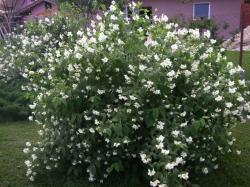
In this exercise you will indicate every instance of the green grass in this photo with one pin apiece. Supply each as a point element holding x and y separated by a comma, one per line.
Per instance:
<point>234,171</point>
<point>12,170</point>
<point>234,57</point>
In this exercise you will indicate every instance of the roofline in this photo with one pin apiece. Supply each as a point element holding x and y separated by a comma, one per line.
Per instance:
<point>34,4</point>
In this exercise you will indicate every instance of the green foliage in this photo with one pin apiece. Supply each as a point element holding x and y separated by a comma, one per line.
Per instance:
<point>202,25</point>
<point>92,6</point>
<point>13,101</point>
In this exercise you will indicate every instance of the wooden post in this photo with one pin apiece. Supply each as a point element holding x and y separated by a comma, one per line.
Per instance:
<point>241,45</point>
<point>242,34</point>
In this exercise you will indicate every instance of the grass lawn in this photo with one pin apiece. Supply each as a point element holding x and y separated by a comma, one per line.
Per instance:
<point>12,170</point>
<point>234,57</point>
<point>234,171</point>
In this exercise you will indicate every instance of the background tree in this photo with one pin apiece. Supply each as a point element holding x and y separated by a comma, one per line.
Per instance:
<point>91,6</point>
<point>9,13</point>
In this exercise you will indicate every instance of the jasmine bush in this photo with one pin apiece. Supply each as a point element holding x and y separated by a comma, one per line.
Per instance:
<point>128,90</point>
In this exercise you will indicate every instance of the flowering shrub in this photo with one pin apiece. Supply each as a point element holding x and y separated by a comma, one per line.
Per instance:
<point>129,90</point>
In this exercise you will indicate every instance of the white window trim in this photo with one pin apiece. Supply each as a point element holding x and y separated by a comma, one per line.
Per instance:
<point>209,9</point>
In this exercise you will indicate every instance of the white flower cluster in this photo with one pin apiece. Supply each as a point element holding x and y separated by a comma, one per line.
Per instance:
<point>128,89</point>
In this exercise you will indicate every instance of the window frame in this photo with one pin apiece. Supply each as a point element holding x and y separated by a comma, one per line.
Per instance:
<point>209,9</point>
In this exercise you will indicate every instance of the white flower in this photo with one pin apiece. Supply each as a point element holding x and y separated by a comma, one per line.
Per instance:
<point>102,37</point>
<point>28,144</point>
<point>81,131</point>
<point>183,176</point>
<point>171,73</point>
<point>79,33</point>
<point>218,98</point>
<point>189,140</point>
<point>47,19</point>
<point>207,34</point>
<point>187,73</point>
<point>133,98</point>
<point>78,56</point>
<point>142,67</point>
<point>164,18</point>
<point>174,47</point>
<point>151,172</point>
<point>144,158</point>
<point>165,152</point>
<point>112,8</point>
<point>163,185</point>
<point>240,99</point>
<point>31,178</point>
<point>27,163</point>
<point>183,124</point>
<point>160,146</point>
<point>160,125</point>
<point>157,58</point>
<point>66,53</point>
<point>30,118</point>
<point>213,41</point>
<point>33,156</point>
<point>231,83</point>
<point>160,138</point>
<point>140,29</point>
<point>229,105</point>
<point>113,17</point>
<point>26,150</point>
<point>89,70</point>
<point>92,130</point>
<point>100,92</point>
<point>105,60</point>
<point>169,166</point>
<point>242,82</point>
<point>154,183</point>
<point>205,170</point>
<point>183,114</point>
<point>232,90</point>
<point>32,107</point>
<point>166,63</point>
<point>175,133</point>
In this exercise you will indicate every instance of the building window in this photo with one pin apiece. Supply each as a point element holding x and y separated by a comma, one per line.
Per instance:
<point>201,11</point>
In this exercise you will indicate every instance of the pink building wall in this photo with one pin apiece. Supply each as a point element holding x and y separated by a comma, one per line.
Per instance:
<point>221,11</point>
<point>38,10</point>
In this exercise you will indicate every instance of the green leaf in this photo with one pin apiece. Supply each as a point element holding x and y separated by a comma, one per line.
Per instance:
<point>117,127</point>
